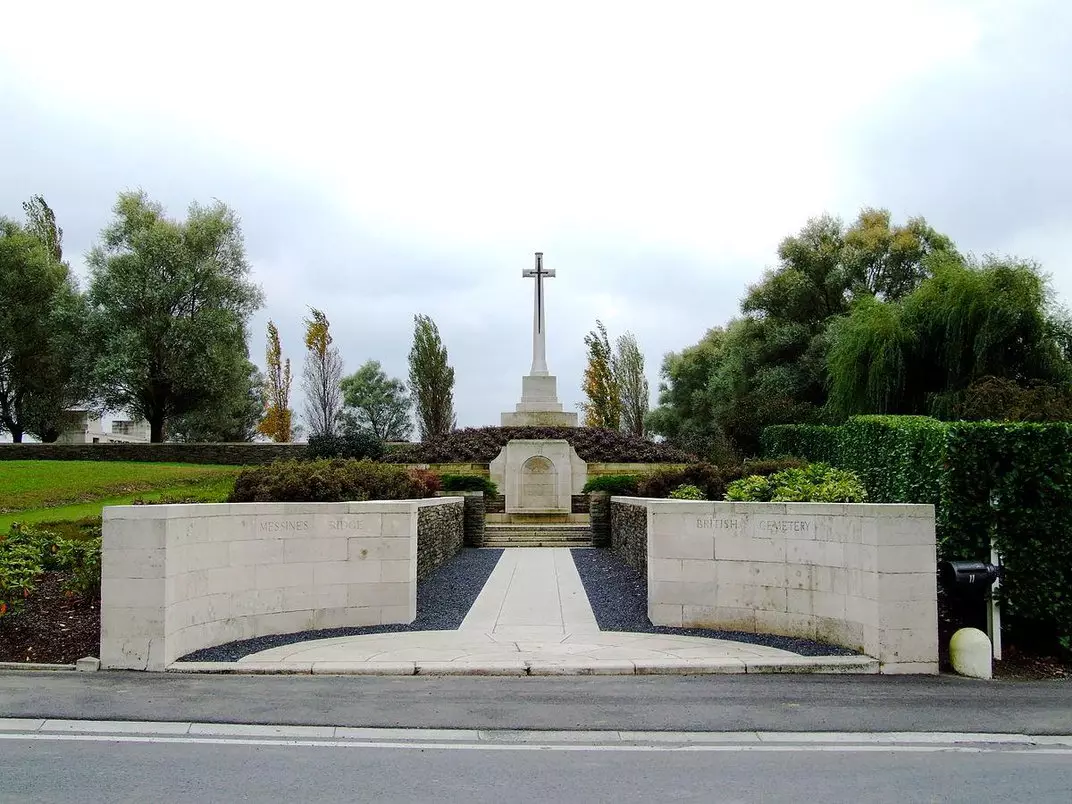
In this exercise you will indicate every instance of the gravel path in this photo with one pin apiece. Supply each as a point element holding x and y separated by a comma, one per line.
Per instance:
<point>443,600</point>
<point>619,598</point>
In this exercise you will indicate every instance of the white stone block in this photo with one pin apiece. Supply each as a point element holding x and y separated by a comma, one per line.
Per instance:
<point>664,614</point>
<point>398,571</point>
<point>381,549</point>
<point>139,562</point>
<point>316,597</point>
<point>314,549</point>
<point>664,569</point>
<point>698,571</point>
<point>728,618</point>
<point>259,551</point>
<point>911,558</point>
<point>331,572</point>
<point>379,594</point>
<point>132,592</point>
<point>790,624</point>
<point>680,545</point>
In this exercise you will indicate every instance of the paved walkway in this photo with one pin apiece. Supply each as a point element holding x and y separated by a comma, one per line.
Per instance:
<point>531,618</point>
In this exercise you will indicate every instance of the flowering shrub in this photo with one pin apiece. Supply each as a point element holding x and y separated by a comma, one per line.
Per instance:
<point>27,553</point>
<point>687,492</point>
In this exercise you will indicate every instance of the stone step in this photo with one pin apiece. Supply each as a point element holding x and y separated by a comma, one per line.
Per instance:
<point>557,535</point>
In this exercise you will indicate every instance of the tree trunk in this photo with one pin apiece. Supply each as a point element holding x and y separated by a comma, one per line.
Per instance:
<point>16,435</point>
<point>156,427</point>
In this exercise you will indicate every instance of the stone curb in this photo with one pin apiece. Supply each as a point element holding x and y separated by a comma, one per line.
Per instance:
<point>46,727</point>
<point>57,668</point>
<point>565,667</point>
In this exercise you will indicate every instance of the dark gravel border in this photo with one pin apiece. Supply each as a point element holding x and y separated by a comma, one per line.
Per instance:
<point>619,598</point>
<point>443,600</point>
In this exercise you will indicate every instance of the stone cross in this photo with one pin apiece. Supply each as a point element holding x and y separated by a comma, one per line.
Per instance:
<point>539,349</point>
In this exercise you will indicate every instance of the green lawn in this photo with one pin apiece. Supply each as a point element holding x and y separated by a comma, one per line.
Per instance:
<point>53,491</point>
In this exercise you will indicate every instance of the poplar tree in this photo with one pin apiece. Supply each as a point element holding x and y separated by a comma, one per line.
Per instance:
<point>276,423</point>
<point>627,367</point>
<point>321,376</point>
<point>431,380</point>
<point>603,407</point>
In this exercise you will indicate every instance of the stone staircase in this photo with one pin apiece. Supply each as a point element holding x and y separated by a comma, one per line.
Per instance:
<point>533,534</point>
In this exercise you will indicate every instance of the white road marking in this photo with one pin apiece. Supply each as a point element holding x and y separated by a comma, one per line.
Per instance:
<point>522,740</point>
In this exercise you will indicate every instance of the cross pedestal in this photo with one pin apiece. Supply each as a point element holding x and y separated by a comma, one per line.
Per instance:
<point>539,405</point>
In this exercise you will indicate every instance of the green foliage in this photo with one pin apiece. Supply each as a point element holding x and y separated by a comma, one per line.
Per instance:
<point>1009,482</point>
<point>968,321</point>
<point>687,492</point>
<point>815,483</point>
<point>233,419</point>
<point>170,302</point>
<point>350,443</point>
<point>623,485</point>
<point>627,366</point>
<point>469,483</point>
<point>26,553</point>
<point>898,458</point>
<point>332,481</point>
<point>483,444</point>
<point>997,399</point>
<point>431,380</point>
<point>377,403</point>
<point>44,357</point>
<point>1014,482</point>
<point>710,480</point>
<point>603,401</point>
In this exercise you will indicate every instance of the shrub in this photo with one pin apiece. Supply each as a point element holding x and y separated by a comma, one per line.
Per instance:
<point>483,444</point>
<point>469,483</point>
<point>707,478</point>
<point>687,492</point>
<point>82,559</point>
<point>623,485</point>
<point>332,481</point>
<point>352,443</point>
<point>812,442</point>
<point>27,553</point>
<point>816,483</point>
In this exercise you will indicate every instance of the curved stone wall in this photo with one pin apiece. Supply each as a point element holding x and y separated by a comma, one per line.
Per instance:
<point>176,578</point>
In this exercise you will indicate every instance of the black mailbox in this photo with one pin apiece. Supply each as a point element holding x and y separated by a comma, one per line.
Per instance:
<point>968,577</point>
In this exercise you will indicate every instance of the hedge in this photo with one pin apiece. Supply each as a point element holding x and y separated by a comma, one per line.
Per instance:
<point>1008,481</point>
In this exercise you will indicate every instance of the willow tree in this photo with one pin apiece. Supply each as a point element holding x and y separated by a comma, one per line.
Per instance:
<point>277,423</point>
<point>170,301</point>
<point>970,320</point>
<point>431,380</point>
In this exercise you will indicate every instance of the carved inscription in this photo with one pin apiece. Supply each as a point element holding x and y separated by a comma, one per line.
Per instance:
<point>785,525</point>
<point>717,523</point>
<point>344,524</point>
<point>281,525</point>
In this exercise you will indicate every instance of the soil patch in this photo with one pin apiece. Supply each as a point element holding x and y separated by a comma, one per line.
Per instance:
<point>52,626</point>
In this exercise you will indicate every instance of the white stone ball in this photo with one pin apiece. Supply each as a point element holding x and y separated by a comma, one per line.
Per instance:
<point>971,654</point>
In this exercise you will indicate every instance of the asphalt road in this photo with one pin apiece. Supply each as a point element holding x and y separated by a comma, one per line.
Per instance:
<point>696,703</point>
<point>98,769</point>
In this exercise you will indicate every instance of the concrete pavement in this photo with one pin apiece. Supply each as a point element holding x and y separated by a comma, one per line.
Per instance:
<point>690,703</point>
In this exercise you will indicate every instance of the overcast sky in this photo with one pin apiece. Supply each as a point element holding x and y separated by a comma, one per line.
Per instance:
<point>402,158</point>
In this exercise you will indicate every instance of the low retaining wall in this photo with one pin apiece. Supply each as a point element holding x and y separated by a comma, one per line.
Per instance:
<point>440,534</point>
<point>242,454</point>
<point>859,576</point>
<point>176,578</point>
<point>629,534</point>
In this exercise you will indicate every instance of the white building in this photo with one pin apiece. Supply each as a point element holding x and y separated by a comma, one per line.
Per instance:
<point>87,429</point>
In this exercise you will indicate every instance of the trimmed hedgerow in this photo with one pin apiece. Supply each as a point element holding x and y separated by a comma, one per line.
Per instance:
<point>350,444</point>
<point>469,483</point>
<point>483,444</point>
<point>622,485</point>
<point>1010,482</point>
<point>332,481</point>
<point>898,458</point>
<point>1015,481</point>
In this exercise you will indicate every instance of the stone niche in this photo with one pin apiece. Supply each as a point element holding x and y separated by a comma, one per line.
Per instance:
<point>538,476</point>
